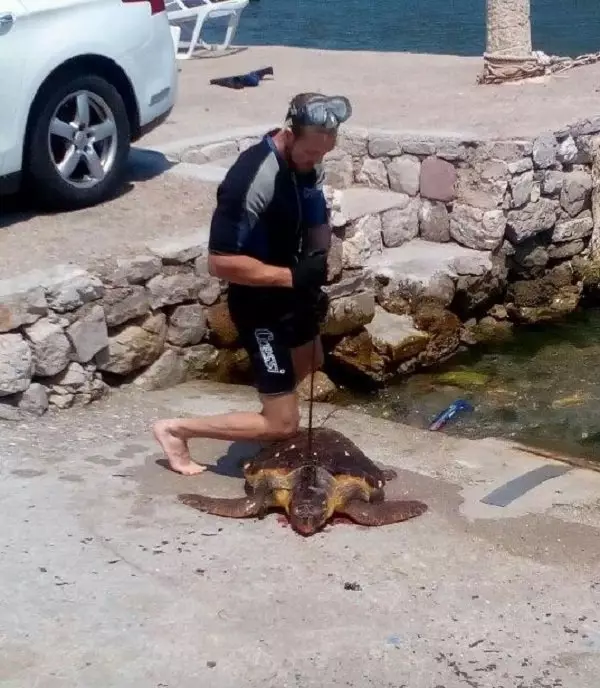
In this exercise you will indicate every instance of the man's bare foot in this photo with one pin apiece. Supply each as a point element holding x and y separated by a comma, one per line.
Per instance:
<point>175,450</point>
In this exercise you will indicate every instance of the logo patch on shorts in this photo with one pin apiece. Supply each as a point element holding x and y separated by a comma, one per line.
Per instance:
<point>264,338</point>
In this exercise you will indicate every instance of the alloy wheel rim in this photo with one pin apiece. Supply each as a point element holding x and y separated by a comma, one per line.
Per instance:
<point>83,139</point>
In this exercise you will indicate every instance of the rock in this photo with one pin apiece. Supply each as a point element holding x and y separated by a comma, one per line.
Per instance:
<point>548,298</point>
<point>395,337</point>
<point>483,185</point>
<point>363,239</point>
<point>477,229</point>
<point>545,150</point>
<point>139,269</point>
<point>442,325</point>
<point>88,334</point>
<point>570,230</point>
<point>167,371</point>
<point>69,287</point>
<point>357,354</point>
<point>22,302</point>
<point>9,409</point>
<point>338,169</point>
<point>566,250</point>
<point>61,401</point>
<point>172,289</point>
<point>530,220</point>
<point>182,249</point>
<point>373,173</point>
<point>477,292</point>
<point>531,257</point>
<point>576,192</point>
<point>124,303</point>
<point>353,141</point>
<point>335,258</point>
<point>520,166</point>
<point>437,180</point>
<point>34,400</point>
<point>382,144</point>
<point>404,174</point>
<point>359,201</point>
<point>199,361</point>
<point>74,379</point>
<point>521,187</point>
<point>187,325</point>
<point>400,225</point>
<point>552,182</point>
<point>466,379</point>
<point>223,332</point>
<point>209,289</point>
<point>50,347</point>
<point>135,346</point>
<point>506,150</point>
<point>489,330</point>
<point>567,150</point>
<point>323,388</point>
<point>16,364</point>
<point>349,313</point>
<point>434,222</point>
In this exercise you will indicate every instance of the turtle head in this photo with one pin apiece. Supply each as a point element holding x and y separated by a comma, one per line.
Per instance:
<point>309,507</point>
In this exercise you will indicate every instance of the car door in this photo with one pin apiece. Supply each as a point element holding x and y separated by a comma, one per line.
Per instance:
<point>14,50</point>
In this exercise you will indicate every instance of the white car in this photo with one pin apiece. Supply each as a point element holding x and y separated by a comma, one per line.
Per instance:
<point>79,81</point>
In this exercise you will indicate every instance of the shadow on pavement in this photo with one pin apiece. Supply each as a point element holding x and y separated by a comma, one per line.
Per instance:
<point>143,164</point>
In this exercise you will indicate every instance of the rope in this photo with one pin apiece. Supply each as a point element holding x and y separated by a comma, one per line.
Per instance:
<point>500,67</point>
<point>312,460</point>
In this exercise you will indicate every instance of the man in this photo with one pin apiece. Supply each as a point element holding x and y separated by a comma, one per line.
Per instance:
<point>269,240</point>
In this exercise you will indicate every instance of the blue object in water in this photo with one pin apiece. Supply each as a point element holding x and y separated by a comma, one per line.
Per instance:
<point>448,413</point>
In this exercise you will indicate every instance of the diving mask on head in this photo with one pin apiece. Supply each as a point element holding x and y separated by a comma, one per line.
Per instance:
<point>325,112</point>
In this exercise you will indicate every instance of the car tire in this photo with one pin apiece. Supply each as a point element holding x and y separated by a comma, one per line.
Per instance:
<point>42,177</point>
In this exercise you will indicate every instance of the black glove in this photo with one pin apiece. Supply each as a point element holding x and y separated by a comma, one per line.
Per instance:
<point>311,272</point>
<point>321,306</point>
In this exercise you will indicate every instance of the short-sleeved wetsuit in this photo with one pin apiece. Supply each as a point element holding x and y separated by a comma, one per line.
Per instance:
<point>266,210</point>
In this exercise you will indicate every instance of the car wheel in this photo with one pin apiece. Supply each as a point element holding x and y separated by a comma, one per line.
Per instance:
<point>78,143</point>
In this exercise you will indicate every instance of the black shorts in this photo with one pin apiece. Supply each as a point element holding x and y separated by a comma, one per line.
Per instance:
<point>269,341</point>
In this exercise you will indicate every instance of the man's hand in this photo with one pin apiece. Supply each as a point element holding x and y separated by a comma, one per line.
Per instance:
<point>311,272</point>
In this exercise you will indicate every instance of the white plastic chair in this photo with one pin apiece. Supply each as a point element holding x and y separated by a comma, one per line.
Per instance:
<point>184,15</point>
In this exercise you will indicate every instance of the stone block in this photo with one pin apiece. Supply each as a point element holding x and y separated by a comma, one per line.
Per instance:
<point>395,336</point>
<point>88,334</point>
<point>69,287</point>
<point>22,302</point>
<point>400,225</point>
<point>373,174</point>
<point>135,346</point>
<point>50,347</point>
<point>545,151</point>
<point>172,289</point>
<point>362,240</point>
<point>139,269</point>
<point>349,313</point>
<point>531,219</point>
<point>125,303</point>
<point>575,194</point>
<point>34,400</point>
<point>434,221</point>
<point>476,228</point>
<point>571,230</point>
<point>187,325</point>
<point>437,180</point>
<point>182,249</point>
<point>16,364</point>
<point>404,174</point>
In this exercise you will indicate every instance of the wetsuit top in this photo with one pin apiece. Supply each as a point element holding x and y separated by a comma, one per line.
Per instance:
<point>264,210</point>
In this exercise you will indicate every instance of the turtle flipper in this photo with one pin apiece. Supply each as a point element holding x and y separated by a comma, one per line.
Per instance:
<point>382,513</point>
<point>241,507</point>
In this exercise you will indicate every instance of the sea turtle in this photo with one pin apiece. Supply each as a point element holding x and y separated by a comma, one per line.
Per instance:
<point>343,481</point>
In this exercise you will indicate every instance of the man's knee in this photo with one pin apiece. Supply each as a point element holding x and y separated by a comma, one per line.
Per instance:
<point>282,415</point>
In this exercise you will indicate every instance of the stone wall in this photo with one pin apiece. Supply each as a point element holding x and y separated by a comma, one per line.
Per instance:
<point>439,242</point>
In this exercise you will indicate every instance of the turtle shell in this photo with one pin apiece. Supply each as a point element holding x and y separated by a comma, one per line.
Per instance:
<point>332,450</point>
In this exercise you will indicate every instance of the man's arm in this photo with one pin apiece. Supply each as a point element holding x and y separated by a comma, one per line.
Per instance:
<point>235,242</point>
<point>248,271</point>
<point>316,213</point>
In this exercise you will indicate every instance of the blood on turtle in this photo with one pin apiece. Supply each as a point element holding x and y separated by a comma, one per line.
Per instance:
<point>339,479</point>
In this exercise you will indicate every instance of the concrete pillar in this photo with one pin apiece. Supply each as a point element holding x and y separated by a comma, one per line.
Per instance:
<point>509,27</point>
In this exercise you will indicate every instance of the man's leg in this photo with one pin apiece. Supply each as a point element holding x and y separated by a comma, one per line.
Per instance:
<point>280,416</point>
<point>302,357</point>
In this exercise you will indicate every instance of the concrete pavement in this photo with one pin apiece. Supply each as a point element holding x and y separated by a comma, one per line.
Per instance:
<point>109,581</point>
